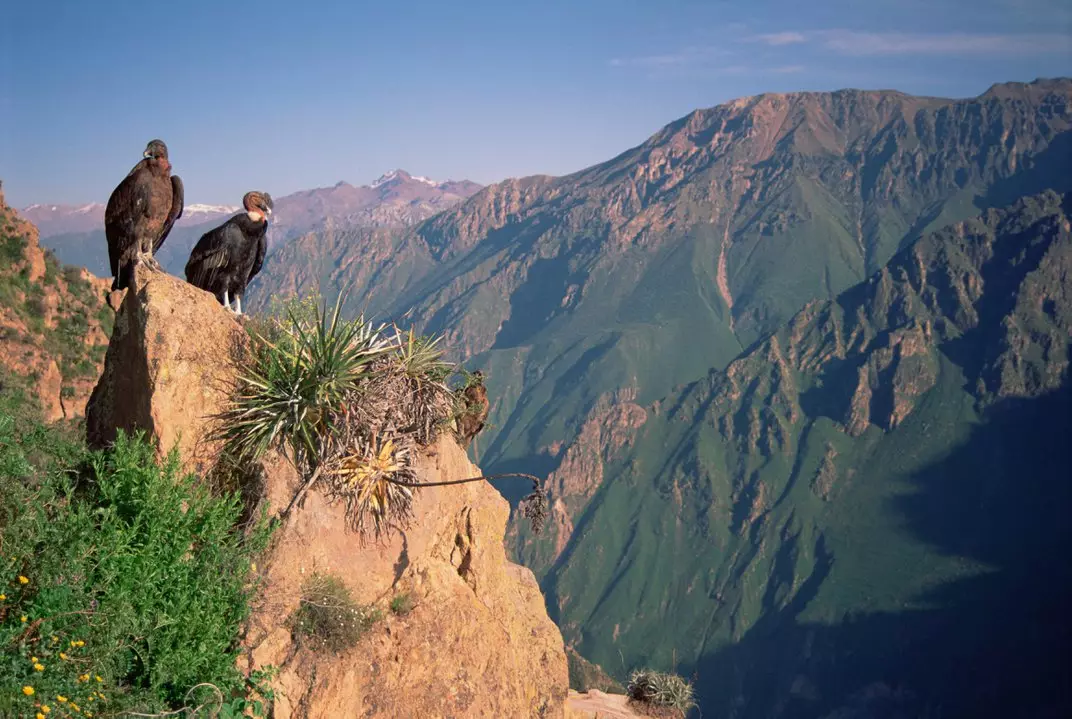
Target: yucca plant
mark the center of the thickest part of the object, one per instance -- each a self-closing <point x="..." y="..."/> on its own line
<point x="296" y="381"/>
<point x="421" y="358"/>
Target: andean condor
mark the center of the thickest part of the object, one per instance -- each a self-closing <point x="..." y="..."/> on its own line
<point x="226" y="258"/>
<point x="141" y="212"/>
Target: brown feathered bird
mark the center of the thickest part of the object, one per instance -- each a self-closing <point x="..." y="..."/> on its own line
<point x="141" y="212"/>
<point x="476" y="410"/>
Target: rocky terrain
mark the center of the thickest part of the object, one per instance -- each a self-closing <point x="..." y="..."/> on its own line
<point x="54" y="322"/>
<point x="477" y="640"/>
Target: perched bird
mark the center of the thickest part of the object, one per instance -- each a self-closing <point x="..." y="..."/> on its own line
<point x="471" y="421"/>
<point x="226" y="258"/>
<point x="141" y="212"/>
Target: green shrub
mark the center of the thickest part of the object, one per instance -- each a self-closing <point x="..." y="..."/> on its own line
<point x="125" y="582"/>
<point x="402" y="604"/>
<point x="661" y="691"/>
<point x="328" y="617"/>
<point x="11" y="248"/>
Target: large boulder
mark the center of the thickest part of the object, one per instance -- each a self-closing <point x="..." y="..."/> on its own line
<point x="170" y="367"/>
<point x="478" y="641"/>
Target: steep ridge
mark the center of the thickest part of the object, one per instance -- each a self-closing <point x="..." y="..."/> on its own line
<point x="703" y="239"/>
<point x="860" y="513"/>
<point x="54" y="322"/>
<point x="477" y="642"/>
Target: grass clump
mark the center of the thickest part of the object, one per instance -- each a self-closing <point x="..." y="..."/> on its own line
<point x="666" y="694"/>
<point x="328" y="618"/>
<point x="123" y="582"/>
<point x="402" y="604"/>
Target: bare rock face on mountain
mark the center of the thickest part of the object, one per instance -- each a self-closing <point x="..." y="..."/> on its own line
<point x="477" y="641"/>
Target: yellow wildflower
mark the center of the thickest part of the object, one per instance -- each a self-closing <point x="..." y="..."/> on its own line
<point x="75" y="707"/>
<point x="83" y="677"/>
<point x="39" y="715"/>
<point x="23" y="617"/>
<point x="98" y="678"/>
<point x="88" y="714"/>
<point x="39" y="667"/>
<point x="45" y="709"/>
<point x="3" y="597"/>
<point x="60" y="698"/>
<point x="63" y="656"/>
<point x="23" y="580"/>
<point x="27" y="690"/>
<point x="55" y="639"/>
<point x="33" y="660"/>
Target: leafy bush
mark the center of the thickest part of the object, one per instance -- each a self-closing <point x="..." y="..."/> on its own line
<point x="402" y="604"/>
<point x="11" y="248"/>
<point x="328" y="617"/>
<point x="660" y="690"/>
<point x="124" y="583"/>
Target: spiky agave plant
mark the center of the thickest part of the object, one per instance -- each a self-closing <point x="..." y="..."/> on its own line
<point x="421" y="358"/>
<point x="288" y="396"/>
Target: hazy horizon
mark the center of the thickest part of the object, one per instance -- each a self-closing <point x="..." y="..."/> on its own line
<point x="285" y="98"/>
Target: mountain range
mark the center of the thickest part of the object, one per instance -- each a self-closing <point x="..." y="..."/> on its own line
<point x="683" y="339"/>
<point x="76" y="233"/>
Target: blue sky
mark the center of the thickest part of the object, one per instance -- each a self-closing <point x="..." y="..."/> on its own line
<point x="291" y="95"/>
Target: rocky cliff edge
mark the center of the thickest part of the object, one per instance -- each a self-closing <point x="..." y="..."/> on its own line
<point x="477" y="642"/>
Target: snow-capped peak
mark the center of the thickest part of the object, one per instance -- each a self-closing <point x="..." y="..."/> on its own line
<point x="210" y="209"/>
<point x="402" y="174"/>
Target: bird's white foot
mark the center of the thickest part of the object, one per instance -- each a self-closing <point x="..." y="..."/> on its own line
<point x="238" y="305"/>
<point x="226" y="300"/>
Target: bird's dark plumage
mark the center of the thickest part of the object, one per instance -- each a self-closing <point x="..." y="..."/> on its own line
<point x="226" y="258"/>
<point x="141" y="212"/>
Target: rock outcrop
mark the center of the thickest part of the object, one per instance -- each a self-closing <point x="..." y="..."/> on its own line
<point x="477" y="642"/>
<point x="170" y="367"/>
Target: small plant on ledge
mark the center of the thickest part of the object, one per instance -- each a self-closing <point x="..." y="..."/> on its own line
<point x="660" y="694"/>
<point x="328" y="617"/>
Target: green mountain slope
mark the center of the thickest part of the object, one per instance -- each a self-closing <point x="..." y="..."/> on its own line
<point x="866" y="510"/>
<point x="712" y="233"/>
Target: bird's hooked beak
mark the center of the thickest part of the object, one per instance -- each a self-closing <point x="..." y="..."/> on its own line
<point x="146" y="154"/>
<point x="268" y="211"/>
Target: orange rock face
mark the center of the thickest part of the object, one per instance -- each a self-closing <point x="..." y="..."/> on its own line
<point x="170" y="367"/>
<point x="478" y="642"/>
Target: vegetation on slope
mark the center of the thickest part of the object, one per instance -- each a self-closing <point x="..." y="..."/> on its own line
<point x="838" y="517"/>
<point x="54" y="323"/>
<point x="123" y="583"/>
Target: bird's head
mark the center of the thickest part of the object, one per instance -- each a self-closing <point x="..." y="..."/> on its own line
<point x="258" y="204"/>
<point x="156" y="151"/>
